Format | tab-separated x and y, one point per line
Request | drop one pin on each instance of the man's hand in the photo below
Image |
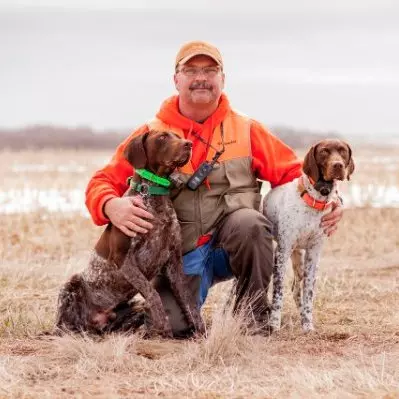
329	222
128	214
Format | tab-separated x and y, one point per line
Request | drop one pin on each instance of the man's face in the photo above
199	81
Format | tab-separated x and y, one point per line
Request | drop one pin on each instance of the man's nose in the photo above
200	74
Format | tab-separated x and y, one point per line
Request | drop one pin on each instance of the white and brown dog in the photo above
295	210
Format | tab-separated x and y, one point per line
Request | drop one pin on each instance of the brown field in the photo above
354	353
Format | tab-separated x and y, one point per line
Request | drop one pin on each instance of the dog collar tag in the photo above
145	190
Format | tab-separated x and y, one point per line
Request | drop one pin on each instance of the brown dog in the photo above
120	266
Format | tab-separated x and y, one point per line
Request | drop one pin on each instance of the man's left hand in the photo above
329	222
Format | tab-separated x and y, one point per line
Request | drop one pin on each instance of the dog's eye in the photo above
162	137
324	151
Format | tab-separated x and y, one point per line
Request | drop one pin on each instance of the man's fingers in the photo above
140	222
329	222
139	208
128	232
336	213
329	231
131	217
131	229
331	218
132	226
138	201
141	213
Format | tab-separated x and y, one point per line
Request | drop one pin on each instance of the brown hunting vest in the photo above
232	182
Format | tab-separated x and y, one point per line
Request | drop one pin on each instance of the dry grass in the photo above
355	352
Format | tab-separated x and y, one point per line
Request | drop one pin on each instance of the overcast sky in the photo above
109	64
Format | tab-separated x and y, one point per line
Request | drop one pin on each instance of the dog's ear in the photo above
310	167
135	151
350	167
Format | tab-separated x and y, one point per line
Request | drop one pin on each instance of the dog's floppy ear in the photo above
350	168
310	167
135	152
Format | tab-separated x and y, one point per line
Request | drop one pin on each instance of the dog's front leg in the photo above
159	321
298	262
189	306
283	253
312	258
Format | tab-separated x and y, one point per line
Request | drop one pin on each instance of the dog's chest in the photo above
292	219
151	251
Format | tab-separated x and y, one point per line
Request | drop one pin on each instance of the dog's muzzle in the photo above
324	187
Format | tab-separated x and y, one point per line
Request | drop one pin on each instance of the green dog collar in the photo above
146	174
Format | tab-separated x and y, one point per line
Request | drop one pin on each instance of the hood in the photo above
169	113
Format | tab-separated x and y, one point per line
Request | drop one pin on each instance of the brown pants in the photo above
246	237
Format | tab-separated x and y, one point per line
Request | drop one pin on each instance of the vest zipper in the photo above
198	212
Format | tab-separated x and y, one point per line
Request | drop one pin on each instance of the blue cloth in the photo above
212	264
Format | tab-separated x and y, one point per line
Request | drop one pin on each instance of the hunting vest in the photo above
232	182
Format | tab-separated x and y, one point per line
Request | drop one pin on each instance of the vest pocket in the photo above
236	201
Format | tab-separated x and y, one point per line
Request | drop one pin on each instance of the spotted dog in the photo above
121	266
295	210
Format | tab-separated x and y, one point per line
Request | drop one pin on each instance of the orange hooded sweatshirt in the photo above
272	160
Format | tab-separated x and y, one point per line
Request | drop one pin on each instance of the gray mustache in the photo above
201	85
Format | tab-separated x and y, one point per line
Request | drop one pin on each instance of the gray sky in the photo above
109	64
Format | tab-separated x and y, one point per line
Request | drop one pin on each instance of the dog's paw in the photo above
199	325
158	333
274	322
161	330
308	328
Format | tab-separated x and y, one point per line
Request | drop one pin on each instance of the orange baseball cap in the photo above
191	49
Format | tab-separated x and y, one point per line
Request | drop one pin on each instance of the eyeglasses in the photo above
209	72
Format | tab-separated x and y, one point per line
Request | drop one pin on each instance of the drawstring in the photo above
206	182
191	129
210	138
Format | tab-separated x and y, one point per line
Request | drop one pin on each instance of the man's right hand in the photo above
128	214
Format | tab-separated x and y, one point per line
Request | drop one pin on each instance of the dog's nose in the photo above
188	144
325	191
338	166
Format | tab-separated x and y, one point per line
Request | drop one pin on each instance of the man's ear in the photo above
351	165
176	81
135	151
310	167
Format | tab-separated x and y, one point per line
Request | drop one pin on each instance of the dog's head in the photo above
329	160
160	152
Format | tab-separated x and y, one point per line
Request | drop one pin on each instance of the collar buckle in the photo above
144	190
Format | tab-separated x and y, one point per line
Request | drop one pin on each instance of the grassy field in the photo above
354	353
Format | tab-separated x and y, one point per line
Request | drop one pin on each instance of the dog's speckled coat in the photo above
120	267
296	226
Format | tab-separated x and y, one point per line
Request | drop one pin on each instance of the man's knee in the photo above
246	237
248	224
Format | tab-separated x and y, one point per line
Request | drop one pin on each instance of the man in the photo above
223	233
